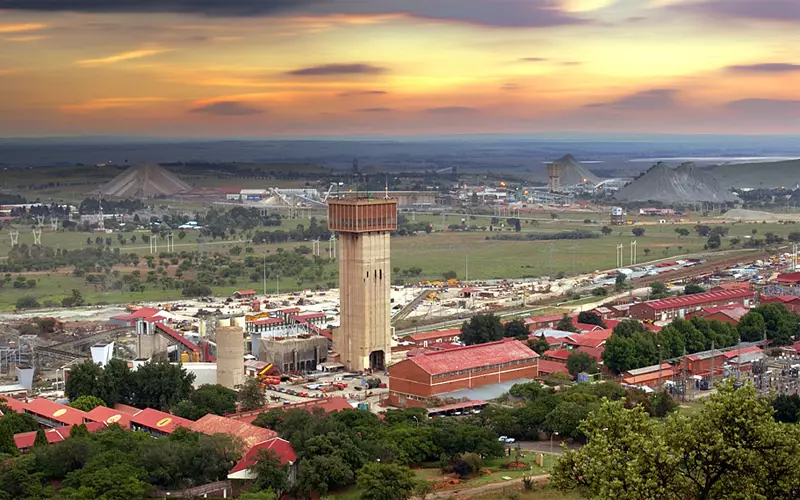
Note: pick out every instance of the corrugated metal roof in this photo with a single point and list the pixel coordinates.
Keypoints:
(160, 421)
(55, 411)
(547, 366)
(551, 332)
(789, 278)
(109, 416)
(697, 299)
(130, 410)
(15, 404)
(249, 434)
(649, 369)
(475, 356)
(590, 339)
(282, 449)
(419, 337)
(333, 403)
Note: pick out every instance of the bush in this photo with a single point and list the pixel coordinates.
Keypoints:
(27, 302)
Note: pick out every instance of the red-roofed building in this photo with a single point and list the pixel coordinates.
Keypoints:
(559, 355)
(130, 410)
(244, 294)
(14, 404)
(24, 440)
(596, 353)
(51, 414)
(426, 339)
(413, 380)
(328, 405)
(586, 327)
(727, 314)
(701, 363)
(649, 376)
(791, 302)
(109, 416)
(594, 339)
(158, 423)
(679, 307)
(548, 367)
(788, 279)
(548, 321)
(146, 314)
(249, 434)
(280, 447)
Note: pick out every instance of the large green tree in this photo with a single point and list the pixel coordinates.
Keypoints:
(251, 395)
(87, 403)
(579, 362)
(591, 318)
(565, 324)
(160, 385)
(516, 328)
(270, 474)
(381, 481)
(730, 448)
(481, 329)
(780, 323)
(206, 399)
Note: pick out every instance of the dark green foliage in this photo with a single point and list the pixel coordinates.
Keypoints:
(7, 445)
(579, 362)
(87, 403)
(17, 422)
(539, 345)
(381, 481)
(692, 289)
(41, 438)
(565, 324)
(658, 290)
(578, 234)
(251, 396)
(271, 475)
(207, 399)
(780, 324)
(787, 408)
(591, 318)
(516, 328)
(634, 346)
(481, 329)
(156, 384)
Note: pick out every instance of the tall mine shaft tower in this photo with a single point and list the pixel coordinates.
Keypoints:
(364, 339)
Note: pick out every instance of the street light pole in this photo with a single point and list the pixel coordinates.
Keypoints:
(551, 441)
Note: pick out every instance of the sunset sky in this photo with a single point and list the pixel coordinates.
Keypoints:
(261, 68)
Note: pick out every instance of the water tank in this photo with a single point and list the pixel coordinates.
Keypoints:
(230, 356)
(616, 211)
(225, 321)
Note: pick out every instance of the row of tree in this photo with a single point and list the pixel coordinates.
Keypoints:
(632, 345)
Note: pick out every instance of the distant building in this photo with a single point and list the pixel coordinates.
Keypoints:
(679, 307)
(649, 376)
(727, 314)
(416, 379)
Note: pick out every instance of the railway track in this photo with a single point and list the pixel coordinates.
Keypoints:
(708, 267)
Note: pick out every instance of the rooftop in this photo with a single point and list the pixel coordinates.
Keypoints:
(334, 403)
(789, 278)
(547, 367)
(55, 411)
(419, 337)
(649, 369)
(249, 434)
(282, 449)
(160, 421)
(457, 406)
(475, 356)
(698, 299)
(590, 339)
(109, 416)
(735, 312)
(559, 354)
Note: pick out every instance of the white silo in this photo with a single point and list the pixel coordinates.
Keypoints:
(230, 356)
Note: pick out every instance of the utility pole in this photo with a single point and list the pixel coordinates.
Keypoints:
(265, 273)
(712, 365)
(466, 273)
(633, 252)
(550, 258)
(659, 367)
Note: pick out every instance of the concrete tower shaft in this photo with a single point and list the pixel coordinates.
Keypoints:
(364, 339)
(230, 356)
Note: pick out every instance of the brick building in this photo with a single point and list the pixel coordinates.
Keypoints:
(790, 302)
(727, 314)
(428, 339)
(679, 307)
(413, 380)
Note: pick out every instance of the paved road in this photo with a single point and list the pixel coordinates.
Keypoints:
(544, 446)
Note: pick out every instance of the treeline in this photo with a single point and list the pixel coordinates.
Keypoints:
(332, 448)
(563, 235)
(41, 258)
(632, 345)
(117, 464)
(91, 206)
(535, 409)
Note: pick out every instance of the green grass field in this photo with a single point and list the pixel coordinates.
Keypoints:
(434, 253)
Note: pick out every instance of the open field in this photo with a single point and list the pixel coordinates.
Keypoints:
(434, 253)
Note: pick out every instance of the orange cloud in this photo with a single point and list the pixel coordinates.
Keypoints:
(20, 28)
(30, 38)
(111, 103)
(124, 56)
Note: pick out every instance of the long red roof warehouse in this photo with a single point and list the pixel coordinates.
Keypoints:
(697, 299)
(249, 434)
(55, 411)
(160, 421)
(474, 356)
(109, 416)
(282, 449)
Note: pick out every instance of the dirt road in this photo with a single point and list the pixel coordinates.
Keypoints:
(465, 493)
